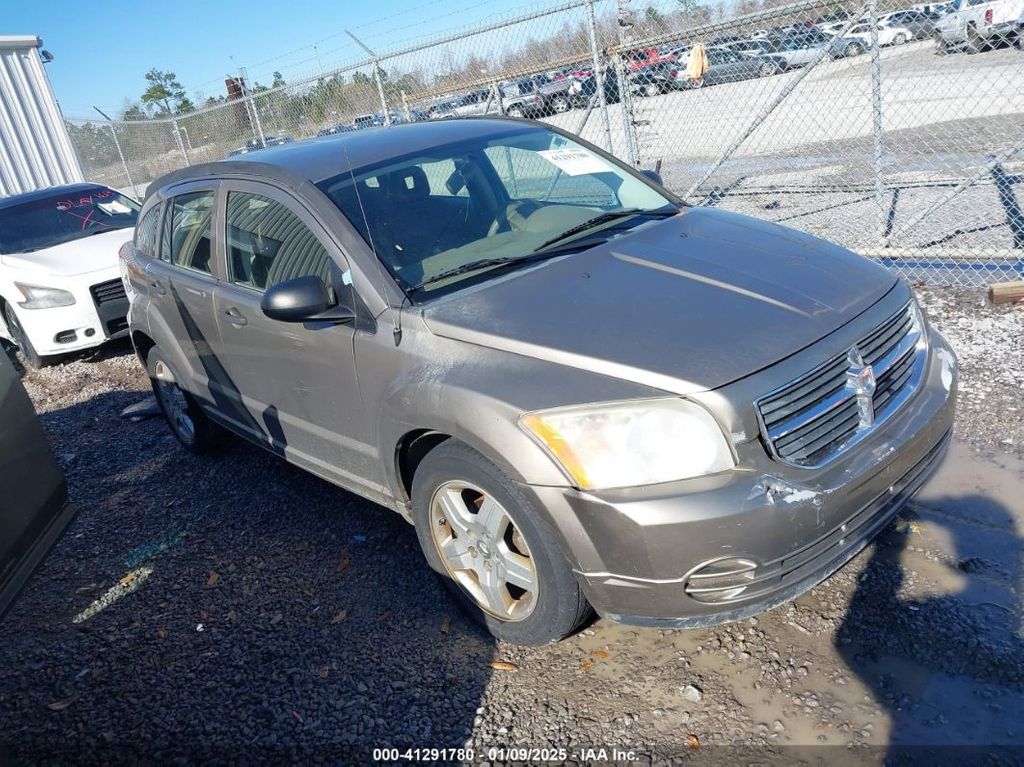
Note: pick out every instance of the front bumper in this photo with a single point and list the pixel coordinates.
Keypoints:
(636, 551)
(98, 314)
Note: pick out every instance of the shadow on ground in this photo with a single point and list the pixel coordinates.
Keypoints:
(281, 616)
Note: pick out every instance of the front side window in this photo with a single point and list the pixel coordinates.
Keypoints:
(511, 196)
(189, 228)
(43, 222)
(267, 243)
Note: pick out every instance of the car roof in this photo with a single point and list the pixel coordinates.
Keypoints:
(50, 191)
(328, 156)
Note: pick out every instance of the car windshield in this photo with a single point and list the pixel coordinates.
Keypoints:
(63, 217)
(495, 198)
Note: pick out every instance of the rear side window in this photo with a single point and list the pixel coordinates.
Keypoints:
(145, 232)
(187, 241)
(267, 244)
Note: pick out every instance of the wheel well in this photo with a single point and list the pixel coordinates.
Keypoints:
(411, 450)
(143, 344)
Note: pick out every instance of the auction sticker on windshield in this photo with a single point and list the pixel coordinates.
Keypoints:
(574, 162)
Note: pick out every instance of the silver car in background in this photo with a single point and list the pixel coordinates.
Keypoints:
(581, 392)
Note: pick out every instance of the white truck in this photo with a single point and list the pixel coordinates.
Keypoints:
(978, 23)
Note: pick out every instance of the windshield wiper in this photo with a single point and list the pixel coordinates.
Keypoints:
(604, 218)
(475, 266)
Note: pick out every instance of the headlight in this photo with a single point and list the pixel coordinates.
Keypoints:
(625, 444)
(38, 297)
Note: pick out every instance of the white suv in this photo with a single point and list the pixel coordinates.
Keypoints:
(60, 280)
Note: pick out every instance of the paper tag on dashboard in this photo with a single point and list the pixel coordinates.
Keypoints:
(575, 162)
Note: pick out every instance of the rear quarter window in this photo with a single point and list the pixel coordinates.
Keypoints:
(145, 232)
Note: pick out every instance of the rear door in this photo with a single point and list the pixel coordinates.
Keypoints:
(180, 282)
(295, 382)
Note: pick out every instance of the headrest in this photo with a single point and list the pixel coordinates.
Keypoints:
(408, 183)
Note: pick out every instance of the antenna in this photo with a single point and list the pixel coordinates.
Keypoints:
(397, 317)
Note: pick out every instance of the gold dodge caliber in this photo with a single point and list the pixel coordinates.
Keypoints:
(582, 393)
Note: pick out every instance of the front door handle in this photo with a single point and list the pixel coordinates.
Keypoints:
(158, 288)
(235, 317)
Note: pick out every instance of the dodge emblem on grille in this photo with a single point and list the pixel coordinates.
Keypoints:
(860, 379)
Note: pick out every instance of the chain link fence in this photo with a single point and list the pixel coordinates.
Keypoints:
(895, 131)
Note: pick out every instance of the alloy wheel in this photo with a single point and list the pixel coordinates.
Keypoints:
(483, 550)
(174, 403)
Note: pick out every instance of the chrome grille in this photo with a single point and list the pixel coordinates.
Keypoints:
(811, 420)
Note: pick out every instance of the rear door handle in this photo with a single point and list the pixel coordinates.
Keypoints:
(235, 317)
(158, 288)
(196, 292)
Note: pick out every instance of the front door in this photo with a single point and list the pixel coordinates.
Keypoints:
(295, 382)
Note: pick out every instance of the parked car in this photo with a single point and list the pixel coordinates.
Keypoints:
(978, 23)
(581, 91)
(655, 79)
(35, 510)
(488, 326)
(920, 23)
(522, 98)
(332, 130)
(644, 57)
(255, 145)
(478, 102)
(443, 111)
(60, 285)
(725, 66)
(888, 34)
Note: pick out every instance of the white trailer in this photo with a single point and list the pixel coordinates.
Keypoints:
(35, 150)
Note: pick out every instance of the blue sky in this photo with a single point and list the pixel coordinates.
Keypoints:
(102, 51)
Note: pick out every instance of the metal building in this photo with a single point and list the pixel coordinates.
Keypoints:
(35, 150)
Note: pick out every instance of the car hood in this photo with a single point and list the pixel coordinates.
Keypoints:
(685, 304)
(89, 254)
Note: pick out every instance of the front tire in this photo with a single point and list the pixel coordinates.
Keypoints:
(188, 423)
(854, 49)
(515, 112)
(652, 89)
(33, 359)
(900, 39)
(493, 548)
(767, 70)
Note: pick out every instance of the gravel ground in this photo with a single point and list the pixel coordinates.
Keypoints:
(274, 617)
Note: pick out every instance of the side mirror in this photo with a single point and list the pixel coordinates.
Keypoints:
(304, 299)
(654, 176)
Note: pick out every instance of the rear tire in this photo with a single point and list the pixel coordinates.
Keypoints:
(767, 70)
(32, 358)
(854, 49)
(186, 420)
(695, 83)
(515, 112)
(456, 494)
(560, 104)
(900, 39)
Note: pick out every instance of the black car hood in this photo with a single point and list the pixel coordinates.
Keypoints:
(685, 304)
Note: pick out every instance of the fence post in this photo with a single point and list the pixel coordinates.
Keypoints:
(599, 76)
(120, 154)
(177, 137)
(876, 117)
(117, 144)
(380, 91)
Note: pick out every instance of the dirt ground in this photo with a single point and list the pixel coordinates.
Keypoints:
(269, 616)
